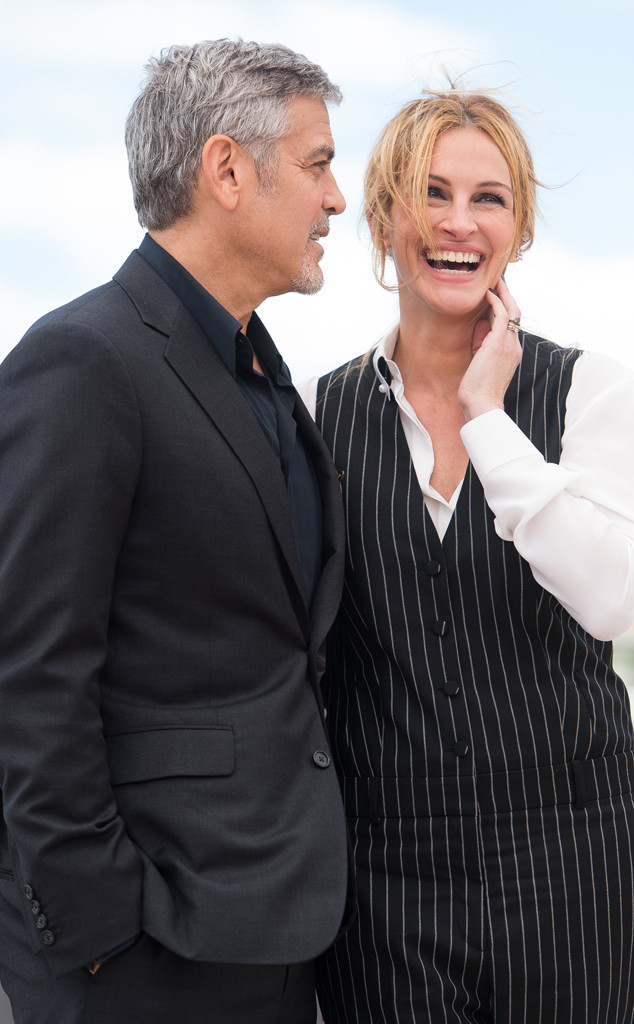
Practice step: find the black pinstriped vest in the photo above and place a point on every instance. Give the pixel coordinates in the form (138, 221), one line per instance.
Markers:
(448, 659)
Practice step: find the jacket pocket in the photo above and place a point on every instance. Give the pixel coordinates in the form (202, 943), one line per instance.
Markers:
(167, 752)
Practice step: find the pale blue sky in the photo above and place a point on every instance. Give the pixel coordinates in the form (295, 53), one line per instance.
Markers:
(71, 69)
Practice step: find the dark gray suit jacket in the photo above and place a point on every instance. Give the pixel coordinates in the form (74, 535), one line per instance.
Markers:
(161, 739)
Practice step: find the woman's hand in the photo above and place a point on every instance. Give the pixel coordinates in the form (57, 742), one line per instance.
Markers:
(496, 355)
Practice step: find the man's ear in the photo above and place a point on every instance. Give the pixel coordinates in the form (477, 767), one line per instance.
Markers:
(222, 170)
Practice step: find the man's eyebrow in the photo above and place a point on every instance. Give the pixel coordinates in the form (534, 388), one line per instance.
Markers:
(324, 152)
(482, 184)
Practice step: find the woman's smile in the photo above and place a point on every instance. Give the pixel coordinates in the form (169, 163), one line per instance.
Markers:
(452, 261)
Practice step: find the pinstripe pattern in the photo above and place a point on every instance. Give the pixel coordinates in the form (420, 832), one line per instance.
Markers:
(484, 744)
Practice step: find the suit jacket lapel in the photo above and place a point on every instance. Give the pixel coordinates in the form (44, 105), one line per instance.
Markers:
(192, 356)
(328, 593)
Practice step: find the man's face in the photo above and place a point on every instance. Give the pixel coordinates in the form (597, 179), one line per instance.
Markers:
(287, 221)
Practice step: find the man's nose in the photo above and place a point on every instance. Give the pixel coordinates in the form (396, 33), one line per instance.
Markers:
(334, 201)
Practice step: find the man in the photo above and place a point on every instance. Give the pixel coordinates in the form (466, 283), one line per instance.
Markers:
(170, 562)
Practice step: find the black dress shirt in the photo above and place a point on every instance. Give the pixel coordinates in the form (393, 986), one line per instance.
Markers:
(270, 394)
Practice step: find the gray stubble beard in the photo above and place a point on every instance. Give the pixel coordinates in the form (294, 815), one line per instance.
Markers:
(310, 277)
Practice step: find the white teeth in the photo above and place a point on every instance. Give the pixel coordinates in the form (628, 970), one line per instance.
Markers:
(449, 256)
(472, 259)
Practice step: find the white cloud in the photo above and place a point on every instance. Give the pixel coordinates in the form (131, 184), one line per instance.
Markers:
(369, 42)
(115, 32)
(377, 48)
(68, 191)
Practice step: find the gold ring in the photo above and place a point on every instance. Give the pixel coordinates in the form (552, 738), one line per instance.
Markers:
(514, 324)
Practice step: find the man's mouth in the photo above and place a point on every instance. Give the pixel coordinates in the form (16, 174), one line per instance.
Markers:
(454, 262)
(320, 228)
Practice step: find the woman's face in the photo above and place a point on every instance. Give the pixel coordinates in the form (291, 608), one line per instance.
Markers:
(470, 203)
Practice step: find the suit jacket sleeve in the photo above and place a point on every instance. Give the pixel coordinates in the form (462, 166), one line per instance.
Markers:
(69, 452)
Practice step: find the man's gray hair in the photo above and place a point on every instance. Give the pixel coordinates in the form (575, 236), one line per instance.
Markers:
(217, 87)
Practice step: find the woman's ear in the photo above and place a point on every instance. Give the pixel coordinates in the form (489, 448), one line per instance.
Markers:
(518, 254)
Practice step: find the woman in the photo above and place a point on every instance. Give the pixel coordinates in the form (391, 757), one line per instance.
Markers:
(483, 738)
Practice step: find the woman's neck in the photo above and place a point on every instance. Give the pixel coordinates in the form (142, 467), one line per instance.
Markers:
(432, 357)
(433, 354)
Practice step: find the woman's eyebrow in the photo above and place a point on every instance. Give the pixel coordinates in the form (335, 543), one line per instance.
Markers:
(482, 184)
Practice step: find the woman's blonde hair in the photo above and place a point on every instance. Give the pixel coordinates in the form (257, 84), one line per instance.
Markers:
(398, 169)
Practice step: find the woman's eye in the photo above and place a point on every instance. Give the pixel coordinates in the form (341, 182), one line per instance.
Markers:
(491, 197)
(434, 193)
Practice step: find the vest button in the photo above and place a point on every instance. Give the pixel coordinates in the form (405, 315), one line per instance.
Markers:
(440, 627)
(451, 689)
(460, 748)
(321, 758)
(433, 568)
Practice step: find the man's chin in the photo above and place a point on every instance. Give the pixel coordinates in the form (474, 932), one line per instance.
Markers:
(309, 282)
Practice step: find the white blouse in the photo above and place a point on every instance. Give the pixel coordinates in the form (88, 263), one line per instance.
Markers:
(573, 522)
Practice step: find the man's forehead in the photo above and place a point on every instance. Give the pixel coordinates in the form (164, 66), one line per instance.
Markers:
(310, 125)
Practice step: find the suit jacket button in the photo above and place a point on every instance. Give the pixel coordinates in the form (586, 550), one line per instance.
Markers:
(35, 908)
(48, 938)
(321, 758)
(460, 748)
(41, 921)
(28, 892)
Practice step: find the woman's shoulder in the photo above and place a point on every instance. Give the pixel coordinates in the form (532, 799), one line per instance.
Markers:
(362, 370)
(317, 389)
(347, 375)
(599, 366)
(543, 351)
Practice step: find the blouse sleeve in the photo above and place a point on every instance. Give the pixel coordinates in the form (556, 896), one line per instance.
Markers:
(573, 522)
(307, 391)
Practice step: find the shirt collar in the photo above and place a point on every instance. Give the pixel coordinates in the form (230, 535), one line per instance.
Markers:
(222, 329)
(385, 368)
(267, 352)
